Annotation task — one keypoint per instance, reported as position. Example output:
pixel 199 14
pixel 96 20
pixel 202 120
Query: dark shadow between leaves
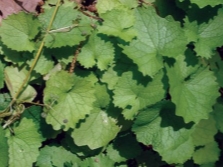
pixel 191 58
pixel 169 118
pixel 169 61
pixel 82 151
pixel 81 121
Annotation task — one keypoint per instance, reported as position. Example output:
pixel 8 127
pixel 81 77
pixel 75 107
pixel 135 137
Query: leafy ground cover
pixel 111 83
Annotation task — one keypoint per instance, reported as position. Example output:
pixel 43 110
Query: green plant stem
pixel 25 82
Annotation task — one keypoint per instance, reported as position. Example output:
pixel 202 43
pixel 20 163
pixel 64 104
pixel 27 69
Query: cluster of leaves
pixel 142 87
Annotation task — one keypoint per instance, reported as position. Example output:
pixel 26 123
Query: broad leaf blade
pixel 209 153
pixel 3 148
pixel 132 97
pixel 204 3
pixel 103 5
pixel 210 36
pixel 44 64
pixel 56 156
pixel 1 75
pixel 35 114
pixel 158 126
pixel 98 161
pixel 14 79
pixel 204 132
pixel 156 37
pixel 118 23
pixel 96 52
pixel 193 89
pixel 97 131
pixel 69 98
pixel 66 18
pixel 218 116
pixel 24 145
pixel 121 149
pixel 19 30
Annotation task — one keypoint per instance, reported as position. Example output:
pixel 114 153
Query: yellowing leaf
pixel 14 79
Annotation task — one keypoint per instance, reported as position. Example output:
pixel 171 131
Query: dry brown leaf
pixel 8 7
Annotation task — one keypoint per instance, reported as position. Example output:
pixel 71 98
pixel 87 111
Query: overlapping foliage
pixel 138 83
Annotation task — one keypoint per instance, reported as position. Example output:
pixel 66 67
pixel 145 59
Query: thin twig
pixel 91 16
pixel 73 63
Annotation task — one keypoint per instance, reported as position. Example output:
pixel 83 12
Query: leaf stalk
pixel 26 80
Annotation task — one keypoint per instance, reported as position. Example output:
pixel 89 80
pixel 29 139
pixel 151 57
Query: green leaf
pixel 97 131
pixel 193 88
pixel 14 79
pixel 204 132
pixel 110 77
pixel 168 134
pixel 96 52
pixel 1 75
pixel 64 55
pixel 218 116
pixel 102 96
pixel 72 25
pixel 191 30
pixel 87 75
pixel 216 65
pixel 24 145
pixel 56 156
pixel 44 64
pixel 98 161
pixel 156 37
pixel 121 149
pixel 81 151
pixel 3 148
pixel 104 6
pixel 133 95
pixel 113 73
pixel 19 30
pixel 129 3
pixel 211 164
pixel 5 100
pixel 118 23
pixel 204 3
pixel 210 36
pixel 34 113
pixel 69 98
pixel 18 58
pixel 209 153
